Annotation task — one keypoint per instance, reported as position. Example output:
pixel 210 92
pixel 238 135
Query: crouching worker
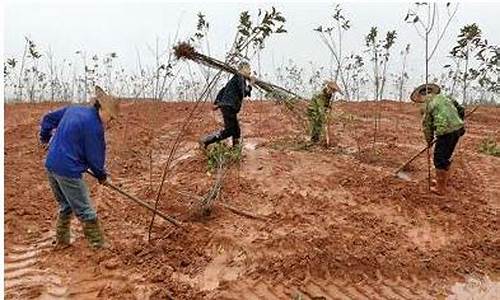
pixel 78 144
pixel 318 110
pixel 229 100
pixel 443 118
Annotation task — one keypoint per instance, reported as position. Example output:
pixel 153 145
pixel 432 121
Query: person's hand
pixel 44 146
pixel 462 131
pixel 252 79
pixel 103 180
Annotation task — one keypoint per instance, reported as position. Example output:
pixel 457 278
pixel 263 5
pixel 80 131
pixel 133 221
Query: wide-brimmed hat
pixel 333 87
pixel 425 89
pixel 107 102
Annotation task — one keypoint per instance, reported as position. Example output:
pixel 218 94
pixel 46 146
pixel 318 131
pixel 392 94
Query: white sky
pixel 124 26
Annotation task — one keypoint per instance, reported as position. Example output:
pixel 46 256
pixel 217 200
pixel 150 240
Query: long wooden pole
pixel 141 203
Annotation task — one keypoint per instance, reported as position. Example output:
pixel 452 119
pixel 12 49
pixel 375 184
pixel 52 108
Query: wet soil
pixel 333 222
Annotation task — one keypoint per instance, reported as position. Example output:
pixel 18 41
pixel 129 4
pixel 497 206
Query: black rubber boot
pixel 236 142
pixel 208 139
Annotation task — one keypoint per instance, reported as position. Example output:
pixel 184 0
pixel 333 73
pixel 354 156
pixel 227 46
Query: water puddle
pixel 403 175
pixel 475 288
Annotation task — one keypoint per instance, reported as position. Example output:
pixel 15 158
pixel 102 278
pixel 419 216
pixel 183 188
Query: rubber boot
pixel 63 235
pixel 207 140
pixel 93 233
pixel 441 180
pixel 236 142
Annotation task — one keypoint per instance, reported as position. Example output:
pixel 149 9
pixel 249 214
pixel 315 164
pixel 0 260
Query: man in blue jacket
pixel 229 101
pixel 77 145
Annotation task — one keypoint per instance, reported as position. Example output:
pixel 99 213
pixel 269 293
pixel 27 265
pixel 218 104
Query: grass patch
pixel 220 155
pixel 489 146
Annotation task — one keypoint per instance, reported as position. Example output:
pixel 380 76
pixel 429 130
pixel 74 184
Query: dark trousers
pixel 445 145
pixel 231 127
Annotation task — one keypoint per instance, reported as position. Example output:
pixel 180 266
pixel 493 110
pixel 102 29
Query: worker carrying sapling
pixel 229 101
pixel 318 109
pixel 78 144
pixel 443 119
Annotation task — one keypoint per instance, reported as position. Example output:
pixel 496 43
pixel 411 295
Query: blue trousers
pixel 72 195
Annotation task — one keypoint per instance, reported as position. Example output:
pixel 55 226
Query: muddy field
pixel 332 223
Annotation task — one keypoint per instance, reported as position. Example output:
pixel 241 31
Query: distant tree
pixel 291 76
pixel 332 36
pixel 354 72
pixel 380 51
pixel 425 23
pixel 475 61
pixel 403 76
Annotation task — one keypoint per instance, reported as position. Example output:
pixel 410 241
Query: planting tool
pixel 401 174
pixel 141 203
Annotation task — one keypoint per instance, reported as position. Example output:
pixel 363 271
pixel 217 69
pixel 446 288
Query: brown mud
pixel 334 223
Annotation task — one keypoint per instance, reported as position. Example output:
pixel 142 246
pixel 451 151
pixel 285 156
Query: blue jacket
pixel 78 143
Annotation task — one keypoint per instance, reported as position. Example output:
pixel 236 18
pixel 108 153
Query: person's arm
pixel 428 124
pixel 218 98
pixel 241 86
pixel 248 91
pixel 50 122
pixel 95 150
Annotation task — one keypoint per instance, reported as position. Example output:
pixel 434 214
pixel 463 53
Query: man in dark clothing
pixel 229 100
pixel 78 144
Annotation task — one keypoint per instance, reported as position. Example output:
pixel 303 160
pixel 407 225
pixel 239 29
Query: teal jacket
pixel 442 115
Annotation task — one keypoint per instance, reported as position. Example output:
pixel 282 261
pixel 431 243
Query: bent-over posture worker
pixel 229 101
pixel 77 145
pixel 318 109
pixel 443 118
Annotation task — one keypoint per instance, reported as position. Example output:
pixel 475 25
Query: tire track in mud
pixel 328 289
pixel 485 172
pixel 26 279
pixel 23 278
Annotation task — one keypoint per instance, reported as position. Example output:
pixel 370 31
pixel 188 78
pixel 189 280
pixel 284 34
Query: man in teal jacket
pixel 443 118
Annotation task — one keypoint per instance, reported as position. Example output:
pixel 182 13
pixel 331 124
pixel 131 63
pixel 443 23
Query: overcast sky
pixel 127 26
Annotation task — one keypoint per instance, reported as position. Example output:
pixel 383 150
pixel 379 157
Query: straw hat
pixel 425 89
pixel 107 102
pixel 332 87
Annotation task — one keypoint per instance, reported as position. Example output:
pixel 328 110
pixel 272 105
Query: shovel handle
pixel 140 202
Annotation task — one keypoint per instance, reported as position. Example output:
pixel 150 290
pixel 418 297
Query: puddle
pixel 403 175
pixel 220 269
pixel 475 288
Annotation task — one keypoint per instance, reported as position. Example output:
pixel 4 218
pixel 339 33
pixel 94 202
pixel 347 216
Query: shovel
pixel 403 175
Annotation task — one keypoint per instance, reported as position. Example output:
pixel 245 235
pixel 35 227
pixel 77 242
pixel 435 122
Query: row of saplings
pixel 78 145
